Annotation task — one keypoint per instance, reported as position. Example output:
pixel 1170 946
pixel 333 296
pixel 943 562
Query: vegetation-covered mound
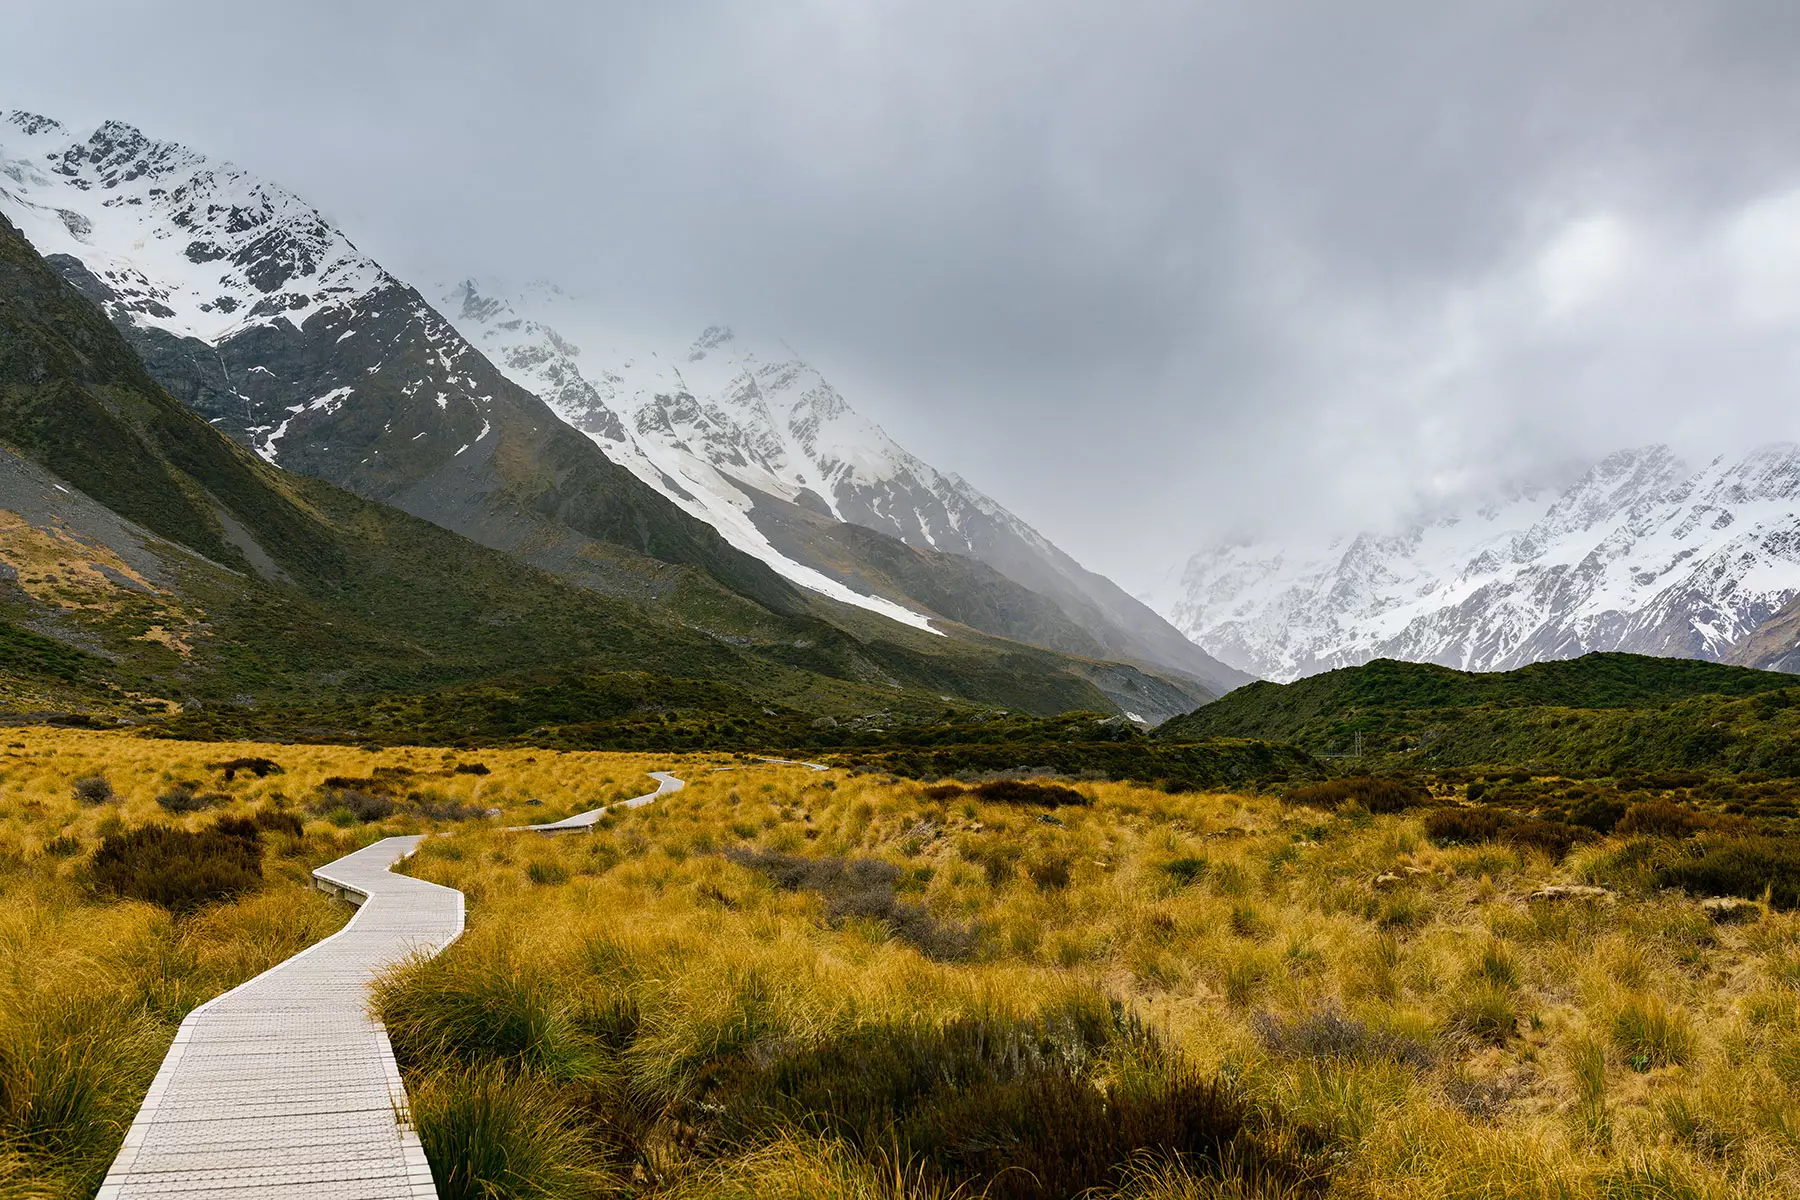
pixel 1599 713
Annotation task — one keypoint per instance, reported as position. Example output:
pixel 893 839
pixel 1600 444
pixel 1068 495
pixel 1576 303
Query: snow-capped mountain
pixel 252 309
pixel 748 436
pixel 255 311
pixel 1640 554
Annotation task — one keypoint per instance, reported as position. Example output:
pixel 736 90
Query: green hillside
pixel 1598 712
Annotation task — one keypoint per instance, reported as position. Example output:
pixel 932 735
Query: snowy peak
pixel 742 432
pixel 1638 554
pixel 198 248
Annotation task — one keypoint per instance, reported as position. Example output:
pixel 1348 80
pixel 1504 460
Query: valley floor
pixel 781 982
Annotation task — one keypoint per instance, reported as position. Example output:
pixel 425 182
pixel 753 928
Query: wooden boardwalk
pixel 285 1086
pixel 665 783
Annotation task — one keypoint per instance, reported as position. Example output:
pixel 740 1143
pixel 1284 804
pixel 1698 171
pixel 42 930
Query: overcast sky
pixel 1150 274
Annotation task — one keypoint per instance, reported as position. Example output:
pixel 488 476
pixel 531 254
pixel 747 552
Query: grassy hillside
pixel 1599 712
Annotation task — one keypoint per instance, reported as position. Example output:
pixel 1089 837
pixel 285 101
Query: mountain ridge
pixel 1639 554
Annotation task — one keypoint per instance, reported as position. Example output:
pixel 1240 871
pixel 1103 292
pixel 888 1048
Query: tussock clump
pixel 1375 793
pixel 1025 791
pixel 187 798
pixel 479 1012
pixel 489 1134
pixel 1328 1033
pixel 180 869
pixel 863 887
pixel 62 846
pixel 93 789
pixel 1186 870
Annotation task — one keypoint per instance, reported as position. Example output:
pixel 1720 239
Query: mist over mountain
pixel 1642 553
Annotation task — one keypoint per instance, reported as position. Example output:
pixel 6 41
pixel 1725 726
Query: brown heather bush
pixel 862 887
pixel 1662 817
pixel 1466 826
pixel 187 798
pixel 180 869
pixel 1373 792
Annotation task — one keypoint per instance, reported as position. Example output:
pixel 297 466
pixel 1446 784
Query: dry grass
pixel 622 997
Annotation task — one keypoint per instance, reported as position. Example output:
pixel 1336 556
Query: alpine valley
pixel 701 482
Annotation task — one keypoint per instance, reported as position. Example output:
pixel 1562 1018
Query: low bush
pixel 1598 813
pixel 1554 838
pixel 1025 791
pixel 473 768
pixel 439 809
pixel 93 789
pixel 273 820
pixel 1738 866
pixel 1375 793
pixel 187 798
pixel 1466 826
pixel 262 768
pixel 943 791
pixel 863 887
pixel 362 807
pixel 180 869
pixel 1662 817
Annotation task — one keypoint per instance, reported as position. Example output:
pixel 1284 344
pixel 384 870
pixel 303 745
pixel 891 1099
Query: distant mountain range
pixel 1641 554
pixel 258 314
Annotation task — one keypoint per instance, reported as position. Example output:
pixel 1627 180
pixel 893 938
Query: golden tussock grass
pixel 676 1005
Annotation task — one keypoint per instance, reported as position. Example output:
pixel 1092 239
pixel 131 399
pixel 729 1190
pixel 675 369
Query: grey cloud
pixel 1151 273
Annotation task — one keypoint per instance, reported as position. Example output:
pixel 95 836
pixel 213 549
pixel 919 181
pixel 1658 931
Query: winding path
pixel 285 1087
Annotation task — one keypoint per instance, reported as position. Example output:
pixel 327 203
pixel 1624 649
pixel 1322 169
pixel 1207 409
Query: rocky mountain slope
pixel 1641 554
pixel 145 557
pixel 754 440
pixel 264 318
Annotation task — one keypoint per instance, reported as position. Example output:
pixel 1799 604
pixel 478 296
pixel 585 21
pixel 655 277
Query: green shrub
pixel 362 806
pixel 262 768
pixel 1375 793
pixel 1598 813
pixel 177 868
pixel 1739 866
pixel 480 1012
pixel 1328 1033
pixel 546 873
